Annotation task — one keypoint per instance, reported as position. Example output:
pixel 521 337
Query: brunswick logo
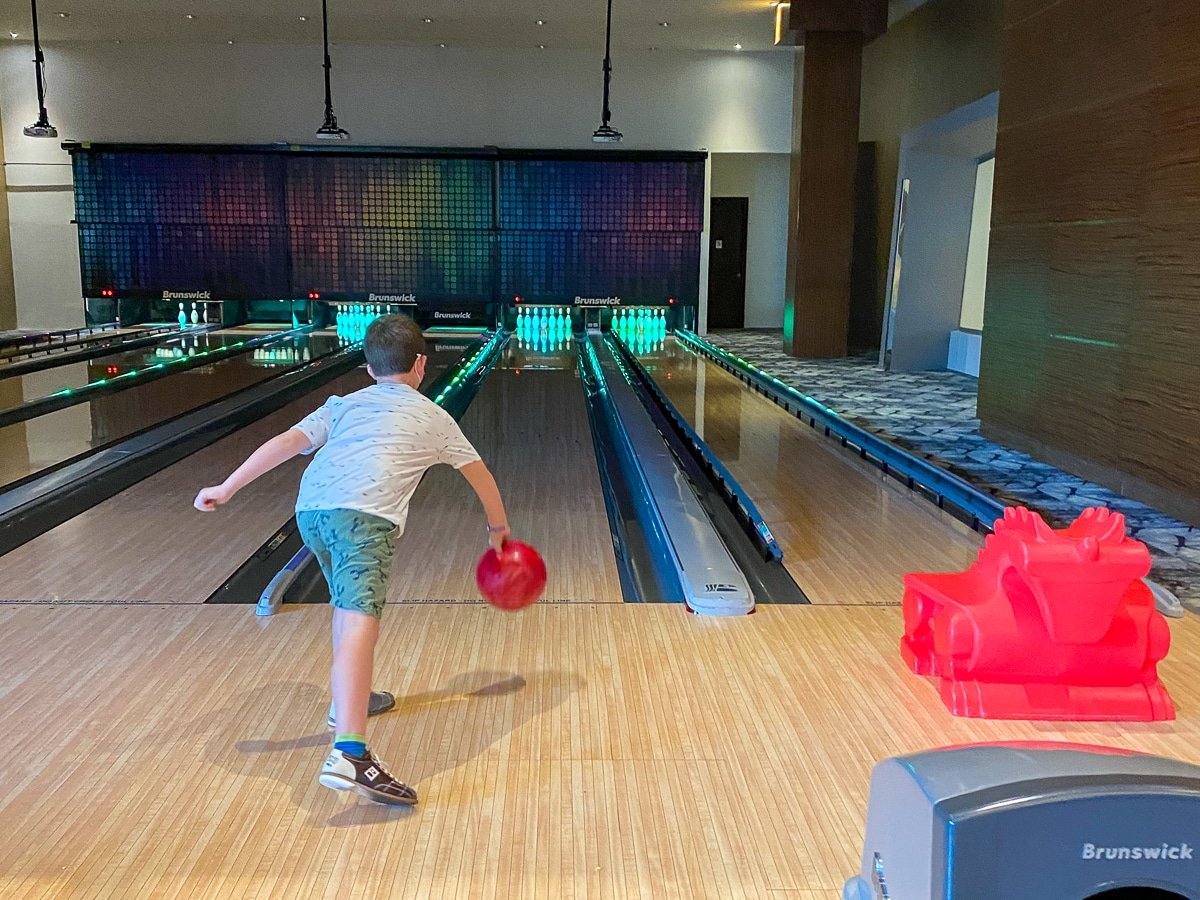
pixel 1163 851
pixel 391 298
pixel 451 315
pixel 597 301
pixel 186 295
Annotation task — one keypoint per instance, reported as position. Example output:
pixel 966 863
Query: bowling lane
pixel 36 444
pixel 529 423
pixel 75 375
pixel 848 532
pixel 148 545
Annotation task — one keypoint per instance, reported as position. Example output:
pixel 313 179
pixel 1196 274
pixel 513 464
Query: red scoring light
pixel 671 300
pixel 516 299
pixel 106 292
pixel 314 295
pixel 112 370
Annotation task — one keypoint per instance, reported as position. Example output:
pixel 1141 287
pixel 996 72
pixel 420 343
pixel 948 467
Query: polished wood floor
pixel 27 448
pixel 571 751
pixel 848 533
pixel 530 425
pixel 148 545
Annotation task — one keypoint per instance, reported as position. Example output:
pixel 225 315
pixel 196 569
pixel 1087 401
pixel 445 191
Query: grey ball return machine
pixel 1031 822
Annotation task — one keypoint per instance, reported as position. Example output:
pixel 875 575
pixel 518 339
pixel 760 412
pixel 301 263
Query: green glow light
pixel 1091 342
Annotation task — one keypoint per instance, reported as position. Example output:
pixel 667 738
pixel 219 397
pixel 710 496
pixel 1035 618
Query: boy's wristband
pixel 492 529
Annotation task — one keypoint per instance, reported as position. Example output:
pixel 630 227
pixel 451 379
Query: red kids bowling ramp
pixel 1045 625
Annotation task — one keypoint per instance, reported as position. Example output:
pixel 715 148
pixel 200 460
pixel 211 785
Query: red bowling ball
pixel 513 578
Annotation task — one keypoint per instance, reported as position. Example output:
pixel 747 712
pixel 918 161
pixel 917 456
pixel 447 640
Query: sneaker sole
pixel 342 783
pixel 372 711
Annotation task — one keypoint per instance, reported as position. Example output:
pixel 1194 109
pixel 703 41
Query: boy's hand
pixel 210 498
pixel 497 535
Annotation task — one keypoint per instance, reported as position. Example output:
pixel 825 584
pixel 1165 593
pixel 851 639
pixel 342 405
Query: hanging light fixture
pixel 42 127
pixel 606 134
pixel 329 130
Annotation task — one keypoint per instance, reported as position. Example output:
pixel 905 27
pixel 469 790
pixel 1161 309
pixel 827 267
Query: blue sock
pixel 353 744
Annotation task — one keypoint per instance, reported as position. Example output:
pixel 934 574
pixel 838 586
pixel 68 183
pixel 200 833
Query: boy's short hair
pixel 392 344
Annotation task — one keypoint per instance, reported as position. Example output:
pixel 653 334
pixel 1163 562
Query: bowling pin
pixel 195 315
pixel 182 317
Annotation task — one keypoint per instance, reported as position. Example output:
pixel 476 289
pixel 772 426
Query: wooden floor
pixel 31 446
pixel 148 545
pixel 572 751
pixel 531 427
pixel 847 532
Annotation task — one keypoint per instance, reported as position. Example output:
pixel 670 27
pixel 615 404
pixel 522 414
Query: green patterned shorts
pixel 354 550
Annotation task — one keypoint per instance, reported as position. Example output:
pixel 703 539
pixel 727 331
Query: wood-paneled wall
pixel 1091 350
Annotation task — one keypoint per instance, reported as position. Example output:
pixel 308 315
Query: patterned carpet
pixel 932 414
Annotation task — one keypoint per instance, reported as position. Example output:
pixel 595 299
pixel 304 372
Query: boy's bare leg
pixel 354 637
pixel 347 767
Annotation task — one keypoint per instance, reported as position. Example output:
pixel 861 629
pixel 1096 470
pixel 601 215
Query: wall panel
pixel 1093 319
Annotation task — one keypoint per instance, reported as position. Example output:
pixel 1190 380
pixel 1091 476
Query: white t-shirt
pixel 373 446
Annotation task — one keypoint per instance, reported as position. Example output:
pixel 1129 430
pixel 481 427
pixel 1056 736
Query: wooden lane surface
pixel 30 446
pixel 148 545
pixel 584 751
pixel 532 430
pixel 847 532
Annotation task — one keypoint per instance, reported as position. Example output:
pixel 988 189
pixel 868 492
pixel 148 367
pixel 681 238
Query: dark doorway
pixel 727 262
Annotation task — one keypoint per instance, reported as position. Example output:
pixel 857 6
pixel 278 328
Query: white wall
pixel 975 283
pixel 764 178
pixel 723 102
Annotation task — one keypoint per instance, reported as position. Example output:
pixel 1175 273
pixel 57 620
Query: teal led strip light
pixel 713 350
pixel 468 368
pixel 183 362
pixel 728 483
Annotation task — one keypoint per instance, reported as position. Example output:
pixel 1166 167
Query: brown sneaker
pixel 367 776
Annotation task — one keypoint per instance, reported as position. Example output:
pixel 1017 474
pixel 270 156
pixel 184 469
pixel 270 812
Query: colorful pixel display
pixel 269 223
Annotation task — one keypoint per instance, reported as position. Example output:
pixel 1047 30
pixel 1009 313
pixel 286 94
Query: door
pixel 727 262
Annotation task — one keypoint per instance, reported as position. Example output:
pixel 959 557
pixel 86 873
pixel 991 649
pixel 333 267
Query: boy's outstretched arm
pixel 480 478
pixel 274 452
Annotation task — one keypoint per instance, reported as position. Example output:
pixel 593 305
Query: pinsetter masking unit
pixel 1031 822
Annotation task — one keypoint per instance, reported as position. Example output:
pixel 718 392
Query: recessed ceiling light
pixel 304 18
pixel 230 43
pixel 443 46
pixel 427 20
pixel 737 46
pixel 665 24
pixel 540 22
pixel 189 16
pixel 64 15
pixel 14 35
pixel 541 46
